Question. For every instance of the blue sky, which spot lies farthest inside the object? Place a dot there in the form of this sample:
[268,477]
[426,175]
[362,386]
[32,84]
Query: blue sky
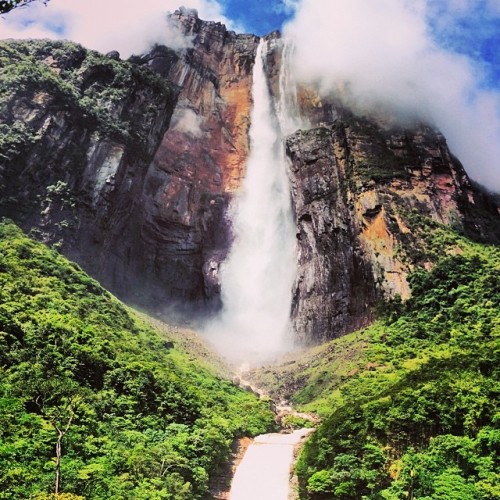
[473,31]
[483,45]
[258,17]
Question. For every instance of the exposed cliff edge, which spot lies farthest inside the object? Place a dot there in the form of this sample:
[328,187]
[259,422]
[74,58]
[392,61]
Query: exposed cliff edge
[78,132]
[201,159]
[357,183]
[131,171]
[356,186]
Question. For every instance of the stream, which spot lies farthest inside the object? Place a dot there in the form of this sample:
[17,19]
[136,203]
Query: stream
[264,472]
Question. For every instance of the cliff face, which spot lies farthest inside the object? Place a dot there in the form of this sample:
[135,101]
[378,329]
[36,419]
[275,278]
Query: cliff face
[142,210]
[130,172]
[78,131]
[201,159]
[356,181]
[212,117]
[355,186]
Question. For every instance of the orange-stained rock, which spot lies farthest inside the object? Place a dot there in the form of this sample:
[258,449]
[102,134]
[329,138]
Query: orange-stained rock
[355,183]
[201,160]
[215,77]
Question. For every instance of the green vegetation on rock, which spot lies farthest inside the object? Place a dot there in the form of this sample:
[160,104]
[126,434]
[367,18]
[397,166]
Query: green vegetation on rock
[96,89]
[419,416]
[90,391]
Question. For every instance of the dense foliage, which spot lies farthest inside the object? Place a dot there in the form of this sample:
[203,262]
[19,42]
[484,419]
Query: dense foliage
[135,418]
[98,92]
[422,419]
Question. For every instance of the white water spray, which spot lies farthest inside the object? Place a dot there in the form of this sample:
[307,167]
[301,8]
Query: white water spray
[258,276]
[287,110]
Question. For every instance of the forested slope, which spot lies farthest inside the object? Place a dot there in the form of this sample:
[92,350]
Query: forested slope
[134,417]
[421,420]
[410,404]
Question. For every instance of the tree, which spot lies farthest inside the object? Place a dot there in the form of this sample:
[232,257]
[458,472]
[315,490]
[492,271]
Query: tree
[59,402]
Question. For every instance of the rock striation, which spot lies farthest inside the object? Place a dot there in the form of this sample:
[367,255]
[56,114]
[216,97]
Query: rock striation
[356,183]
[78,132]
[129,169]
[201,159]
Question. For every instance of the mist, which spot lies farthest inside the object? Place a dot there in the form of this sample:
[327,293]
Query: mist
[128,27]
[187,121]
[258,275]
[384,54]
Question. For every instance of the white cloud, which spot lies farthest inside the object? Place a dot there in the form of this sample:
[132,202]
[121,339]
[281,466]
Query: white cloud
[385,53]
[185,120]
[122,25]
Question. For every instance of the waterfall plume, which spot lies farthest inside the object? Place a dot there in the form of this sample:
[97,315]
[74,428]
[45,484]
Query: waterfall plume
[257,277]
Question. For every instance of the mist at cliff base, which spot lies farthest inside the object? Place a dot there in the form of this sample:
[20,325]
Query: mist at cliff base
[258,275]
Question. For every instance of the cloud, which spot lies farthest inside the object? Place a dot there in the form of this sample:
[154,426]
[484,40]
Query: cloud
[285,6]
[129,27]
[185,120]
[387,53]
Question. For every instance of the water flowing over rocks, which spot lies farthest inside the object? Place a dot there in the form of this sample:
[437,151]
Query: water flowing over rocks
[274,453]
[258,274]
[264,472]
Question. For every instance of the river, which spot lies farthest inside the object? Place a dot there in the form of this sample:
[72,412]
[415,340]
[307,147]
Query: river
[264,472]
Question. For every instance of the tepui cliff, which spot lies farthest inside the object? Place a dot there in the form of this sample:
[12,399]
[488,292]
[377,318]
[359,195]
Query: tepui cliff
[129,168]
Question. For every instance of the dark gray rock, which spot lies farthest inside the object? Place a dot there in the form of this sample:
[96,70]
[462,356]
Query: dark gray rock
[355,184]
[114,54]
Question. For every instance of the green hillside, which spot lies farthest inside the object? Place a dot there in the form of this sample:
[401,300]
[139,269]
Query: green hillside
[135,417]
[417,415]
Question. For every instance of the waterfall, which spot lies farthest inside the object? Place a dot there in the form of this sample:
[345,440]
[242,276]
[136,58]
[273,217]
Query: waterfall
[287,110]
[258,275]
